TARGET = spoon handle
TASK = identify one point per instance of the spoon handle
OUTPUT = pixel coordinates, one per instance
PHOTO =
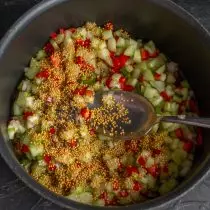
(188, 120)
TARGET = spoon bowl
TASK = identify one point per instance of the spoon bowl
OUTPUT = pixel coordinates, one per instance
(141, 114)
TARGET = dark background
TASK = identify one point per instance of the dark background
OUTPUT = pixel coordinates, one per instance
(14, 195)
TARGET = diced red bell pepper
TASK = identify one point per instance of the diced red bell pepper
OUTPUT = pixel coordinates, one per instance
(18, 146)
(182, 106)
(127, 88)
(155, 54)
(79, 60)
(165, 96)
(144, 54)
(52, 167)
(27, 114)
(49, 49)
(73, 30)
(112, 54)
(156, 151)
(53, 35)
(109, 26)
(188, 146)
(123, 59)
(120, 166)
(78, 164)
(157, 76)
(193, 106)
(86, 113)
(104, 196)
(123, 193)
(79, 42)
(112, 202)
(116, 185)
(165, 168)
(61, 30)
(24, 148)
(44, 74)
(92, 131)
(83, 43)
(89, 93)
(116, 38)
(116, 65)
(80, 91)
(118, 62)
(141, 160)
(87, 43)
(137, 186)
(55, 60)
(130, 170)
(52, 131)
(47, 159)
(153, 170)
(141, 78)
(179, 133)
(108, 81)
(73, 143)
(122, 80)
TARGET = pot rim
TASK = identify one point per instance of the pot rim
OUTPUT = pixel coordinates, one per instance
(14, 165)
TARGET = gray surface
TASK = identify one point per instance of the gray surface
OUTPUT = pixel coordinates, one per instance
(14, 195)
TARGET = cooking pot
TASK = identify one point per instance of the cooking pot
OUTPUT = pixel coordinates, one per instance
(175, 32)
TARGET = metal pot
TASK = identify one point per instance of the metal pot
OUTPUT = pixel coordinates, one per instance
(176, 33)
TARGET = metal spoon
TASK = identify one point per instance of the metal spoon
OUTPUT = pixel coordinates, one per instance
(142, 114)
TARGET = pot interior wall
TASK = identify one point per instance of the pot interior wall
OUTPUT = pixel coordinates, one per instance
(143, 19)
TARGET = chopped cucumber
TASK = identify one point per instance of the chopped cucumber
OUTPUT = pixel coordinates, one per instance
(161, 69)
(30, 73)
(167, 186)
(171, 107)
(40, 55)
(95, 43)
(112, 44)
(129, 68)
(36, 150)
(17, 110)
(179, 156)
(121, 42)
(99, 202)
(67, 39)
(156, 101)
(159, 85)
(137, 56)
(132, 82)
(150, 47)
(54, 44)
(155, 63)
(148, 76)
(21, 99)
(60, 38)
(177, 99)
(185, 84)
(130, 50)
(37, 170)
(104, 55)
(125, 73)
(136, 73)
(170, 78)
(143, 66)
(150, 92)
(107, 34)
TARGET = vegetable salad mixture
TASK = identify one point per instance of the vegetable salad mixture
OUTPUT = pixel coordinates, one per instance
(51, 127)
